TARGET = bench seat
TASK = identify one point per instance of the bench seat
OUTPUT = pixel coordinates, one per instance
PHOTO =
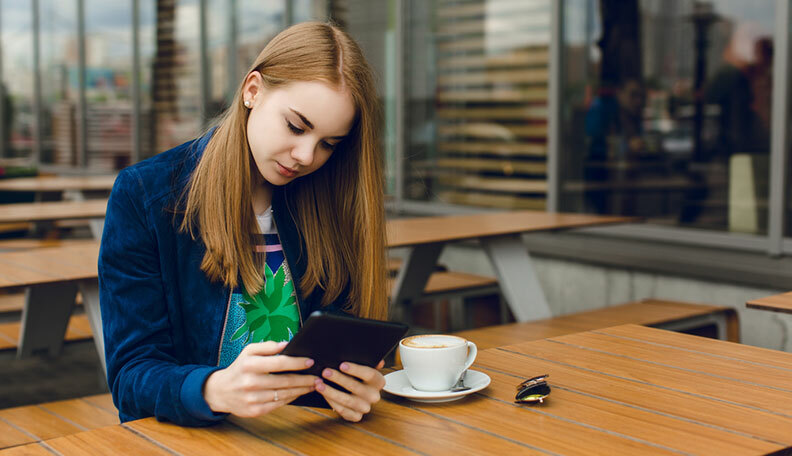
(78, 329)
(648, 312)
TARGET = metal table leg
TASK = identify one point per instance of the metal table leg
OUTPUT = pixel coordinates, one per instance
(45, 318)
(415, 271)
(90, 294)
(517, 277)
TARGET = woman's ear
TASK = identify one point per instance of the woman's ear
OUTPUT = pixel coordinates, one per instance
(253, 87)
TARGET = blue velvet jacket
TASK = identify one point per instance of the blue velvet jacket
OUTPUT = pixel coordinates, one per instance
(162, 317)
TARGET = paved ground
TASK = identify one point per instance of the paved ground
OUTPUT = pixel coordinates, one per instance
(75, 373)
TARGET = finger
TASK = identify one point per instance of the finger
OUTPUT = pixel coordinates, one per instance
(381, 364)
(279, 381)
(346, 400)
(282, 363)
(263, 397)
(367, 392)
(286, 395)
(367, 374)
(264, 348)
(345, 412)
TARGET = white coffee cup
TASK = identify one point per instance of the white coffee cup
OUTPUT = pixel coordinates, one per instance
(434, 362)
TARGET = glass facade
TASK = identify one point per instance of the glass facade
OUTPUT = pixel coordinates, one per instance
(664, 106)
(666, 111)
(476, 80)
(17, 117)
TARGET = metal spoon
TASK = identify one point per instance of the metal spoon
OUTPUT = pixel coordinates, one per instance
(460, 384)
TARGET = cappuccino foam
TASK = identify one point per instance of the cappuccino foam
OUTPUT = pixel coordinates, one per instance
(433, 341)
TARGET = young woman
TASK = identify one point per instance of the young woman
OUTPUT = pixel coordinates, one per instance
(213, 252)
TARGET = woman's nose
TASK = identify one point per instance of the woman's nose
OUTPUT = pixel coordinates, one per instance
(303, 153)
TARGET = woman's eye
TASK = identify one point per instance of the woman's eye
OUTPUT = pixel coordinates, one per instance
(328, 146)
(295, 129)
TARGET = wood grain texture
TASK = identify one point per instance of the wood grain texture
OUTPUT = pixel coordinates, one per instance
(634, 409)
(82, 413)
(421, 430)
(776, 303)
(55, 210)
(308, 432)
(646, 312)
(223, 438)
(11, 435)
(46, 265)
(57, 183)
(109, 440)
(424, 230)
(38, 422)
(31, 449)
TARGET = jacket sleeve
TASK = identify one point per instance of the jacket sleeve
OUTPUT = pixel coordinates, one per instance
(144, 373)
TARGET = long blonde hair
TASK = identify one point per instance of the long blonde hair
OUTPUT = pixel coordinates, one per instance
(338, 209)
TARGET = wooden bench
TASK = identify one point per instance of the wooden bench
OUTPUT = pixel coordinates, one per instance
(664, 314)
(28, 424)
(443, 284)
(78, 329)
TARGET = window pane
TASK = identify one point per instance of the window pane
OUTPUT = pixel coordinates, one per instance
(108, 79)
(18, 121)
(169, 47)
(666, 111)
(259, 21)
(476, 102)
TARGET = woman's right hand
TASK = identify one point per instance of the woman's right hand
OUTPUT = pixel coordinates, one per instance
(247, 388)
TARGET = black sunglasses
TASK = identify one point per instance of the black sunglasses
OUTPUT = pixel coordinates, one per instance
(533, 390)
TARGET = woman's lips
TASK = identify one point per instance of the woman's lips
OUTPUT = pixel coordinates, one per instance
(287, 172)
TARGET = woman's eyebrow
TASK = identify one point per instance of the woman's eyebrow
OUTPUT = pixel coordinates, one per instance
(310, 125)
(302, 117)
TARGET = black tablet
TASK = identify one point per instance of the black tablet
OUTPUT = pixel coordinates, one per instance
(330, 339)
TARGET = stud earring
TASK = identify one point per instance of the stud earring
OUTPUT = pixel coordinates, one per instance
(247, 103)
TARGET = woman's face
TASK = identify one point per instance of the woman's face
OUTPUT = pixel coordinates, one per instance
(293, 129)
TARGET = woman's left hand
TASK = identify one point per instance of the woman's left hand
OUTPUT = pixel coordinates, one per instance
(363, 383)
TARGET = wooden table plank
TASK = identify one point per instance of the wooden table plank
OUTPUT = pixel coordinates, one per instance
(633, 422)
(12, 436)
(495, 418)
(82, 413)
(705, 364)
(47, 265)
(54, 210)
(423, 432)
(38, 422)
(224, 438)
(103, 401)
(57, 183)
(776, 303)
(520, 423)
(109, 440)
(774, 401)
(732, 418)
(425, 230)
(31, 449)
(289, 426)
(747, 353)
(646, 312)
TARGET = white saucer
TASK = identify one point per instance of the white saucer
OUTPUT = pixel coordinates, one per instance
(397, 383)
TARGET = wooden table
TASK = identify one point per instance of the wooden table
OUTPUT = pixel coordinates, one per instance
(57, 183)
(78, 187)
(52, 277)
(625, 390)
(499, 235)
(781, 303)
(776, 303)
(51, 211)
(54, 210)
